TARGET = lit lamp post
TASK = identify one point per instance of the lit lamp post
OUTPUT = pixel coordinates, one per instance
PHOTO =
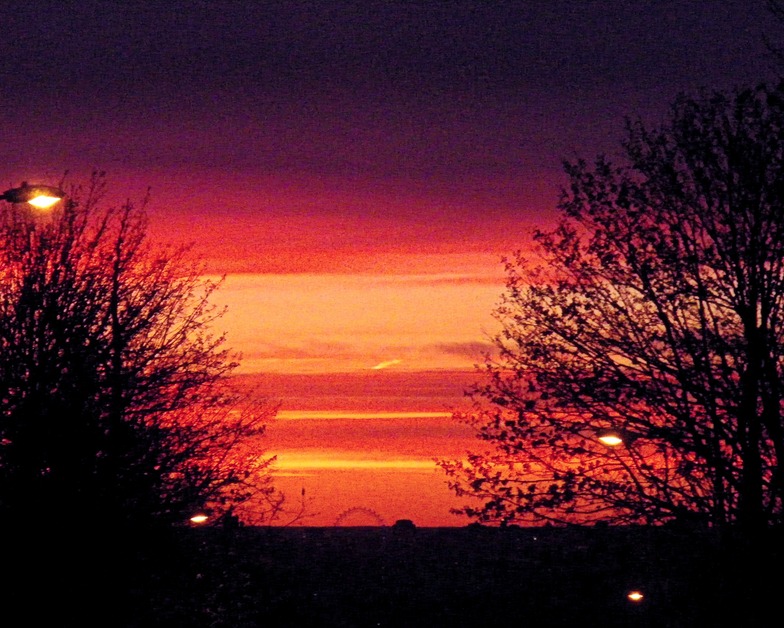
(39, 196)
(611, 438)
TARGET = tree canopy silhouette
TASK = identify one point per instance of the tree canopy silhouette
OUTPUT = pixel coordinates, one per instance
(654, 311)
(116, 405)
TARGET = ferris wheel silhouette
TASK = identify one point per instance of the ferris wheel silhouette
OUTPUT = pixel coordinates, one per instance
(359, 516)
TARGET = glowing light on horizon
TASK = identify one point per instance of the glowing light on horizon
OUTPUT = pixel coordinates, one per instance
(337, 414)
(635, 596)
(305, 462)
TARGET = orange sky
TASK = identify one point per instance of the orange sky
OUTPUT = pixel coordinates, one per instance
(383, 461)
(378, 311)
(308, 323)
(367, 367)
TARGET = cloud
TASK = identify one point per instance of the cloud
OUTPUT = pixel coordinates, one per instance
(385, 364)
(473, 350)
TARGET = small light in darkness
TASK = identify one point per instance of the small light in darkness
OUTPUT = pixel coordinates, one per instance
(634, 596)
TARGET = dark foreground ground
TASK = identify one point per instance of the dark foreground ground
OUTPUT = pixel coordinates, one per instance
(429, 577)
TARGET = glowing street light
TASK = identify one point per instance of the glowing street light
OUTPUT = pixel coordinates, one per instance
(199, 519)
(611, 438)
(40, 196)
(635, 596)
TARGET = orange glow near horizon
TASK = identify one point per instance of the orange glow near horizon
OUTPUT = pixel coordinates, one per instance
(367, 367)
(342, 323)
(420, 495)
(338, 414)
(376, 447)
(297, 464)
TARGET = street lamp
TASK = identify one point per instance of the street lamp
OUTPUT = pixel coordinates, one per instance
(40, 196)
(613, 438)
(635, 596)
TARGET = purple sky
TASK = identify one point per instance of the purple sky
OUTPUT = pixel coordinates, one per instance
(448, 119)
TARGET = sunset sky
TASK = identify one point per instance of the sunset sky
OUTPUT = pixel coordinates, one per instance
(356, 170)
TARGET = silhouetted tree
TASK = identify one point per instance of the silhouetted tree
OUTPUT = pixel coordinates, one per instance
(776, 10)
(655, 309)
(116, 407)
